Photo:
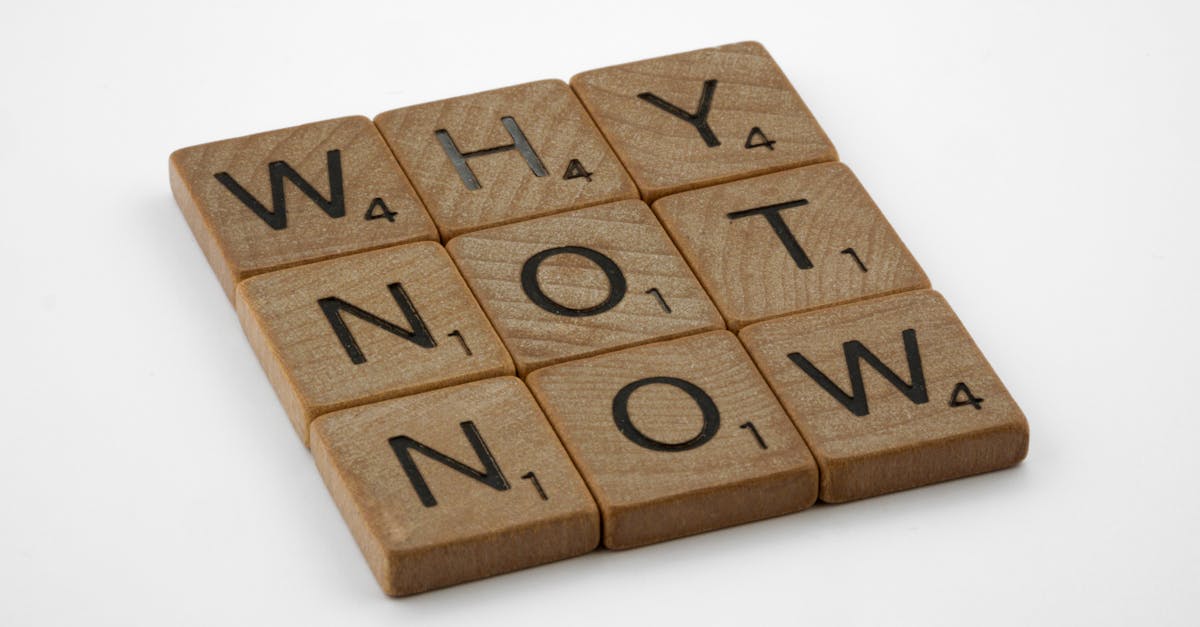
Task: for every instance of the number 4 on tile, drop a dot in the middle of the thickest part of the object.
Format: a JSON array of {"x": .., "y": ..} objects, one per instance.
[
  {"x": 758, "y": 139},
  {"x": 575, "y": 170},
  {"x": 379, "y": 209},
  {"x": 962, "y": 396}
]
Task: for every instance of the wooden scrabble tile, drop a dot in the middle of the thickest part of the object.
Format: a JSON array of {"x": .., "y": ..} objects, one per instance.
[
  {"x": 677, "y": 437},
  {"x": 583, "y": 282},
  {"x": 701, "y": 118},
  {"x": 367, "y": 327},
  {"x": 890, "y": 393},
  {"x": 454, "y": 485},
  {"x": 788, "y": 242},
  {"x": 505, "y": 155},
  {"x": 282, "y": 198}
]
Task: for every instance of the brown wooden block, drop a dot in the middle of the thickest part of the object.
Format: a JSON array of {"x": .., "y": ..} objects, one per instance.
[
  {"x": 677, "y": 437},
  {"x": 704, "y": 117},
  {"x": 505, "y": 155},
  {"x": 583, "y": 282},
  {"x": 788, "y": 242},
  {"x": 365, "y": 328},
  {"x": 890, "y": 394},
  {"x": 278, "y": 199},
  {"x": 454, "y": 485}
]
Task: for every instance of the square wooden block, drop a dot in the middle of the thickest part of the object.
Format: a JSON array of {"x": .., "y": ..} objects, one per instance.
[
  {"x": 704, "y": 117},
  {"x": 365, "y": 328},
  {"x": 677, "y": 437},
  {"x": 788, "y": 242},
  {"x": 281, "y": 198},
  {"x": 505, "y": 155},
  {"x": 583, "y": 282},
  {"x": 890, "y": 394},
  {"x": 454, "y": 485}
]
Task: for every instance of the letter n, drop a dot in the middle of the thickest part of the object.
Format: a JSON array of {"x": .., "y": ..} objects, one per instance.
[
  {"x": 334, "y": 307},
  {"x": 490, "y": 476}
]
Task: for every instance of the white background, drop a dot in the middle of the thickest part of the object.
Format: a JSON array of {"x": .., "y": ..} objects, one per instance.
[{"x": 1040, "y": 159}]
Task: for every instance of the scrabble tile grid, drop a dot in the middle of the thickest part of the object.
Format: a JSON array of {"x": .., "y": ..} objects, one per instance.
[{"x": 673, "y": 268}]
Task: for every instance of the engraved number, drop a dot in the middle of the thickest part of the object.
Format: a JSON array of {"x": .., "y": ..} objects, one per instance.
[
  {"x": 854, "y": 255},
  {"x": 537, "y": 485},
  {"x": 960, "y": 391},
  {"x": 662, "y": 302},
  {"x": 754, "y": 431},
  {"x": 379, "y": 209},
  {"x": 758, "y": 139},
  {"x": 575, "y": 170},
  {"x": 461, "y": 340}
]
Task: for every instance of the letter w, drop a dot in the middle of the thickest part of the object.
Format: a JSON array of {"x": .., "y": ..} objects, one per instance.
[
  {"x": 276, "y": 217},
  {"x": 856, "y": 400},
  {"x": 491, "y": 475}
]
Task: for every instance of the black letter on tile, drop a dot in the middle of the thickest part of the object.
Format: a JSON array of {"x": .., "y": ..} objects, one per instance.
[
  {"x": 699, "y": 119},
  {"x": 276, "y": 218},
  {"x": 533, "y": 290},
  {"x": 854, "y": 350},
  {"x": 459, "y": 158},
  {"x": 491, "y": 475},
  {"x": 334, "y": 306},
  {"x": 771, "y": 213},
  {"x": 708, "y": 408}
]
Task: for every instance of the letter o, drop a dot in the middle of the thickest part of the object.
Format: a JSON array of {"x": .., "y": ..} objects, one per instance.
[
  {"x": 616, "y": 281},
  {"x": 708, "y": 408}
]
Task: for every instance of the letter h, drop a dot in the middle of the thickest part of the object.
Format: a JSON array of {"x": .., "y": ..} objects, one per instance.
[{"x": 459, "y": 158}]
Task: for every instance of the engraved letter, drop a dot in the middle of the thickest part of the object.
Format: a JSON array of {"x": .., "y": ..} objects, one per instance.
[{"x": 459, "y": 158}]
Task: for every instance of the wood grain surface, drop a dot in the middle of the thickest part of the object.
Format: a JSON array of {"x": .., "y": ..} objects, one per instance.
[
  {"x": 291, "y": 318},
  {"x": 610, "y": 312},
  {"x": 557, "y": 130},
  {"x": 274, "y": 223},
  {"x": 879, "y": 435},
  {"x": 641, "y": 417},
  {"x": 752, "y": 121},
  {"x": 843, "y": 248},
  {"x": 514, "y": 501},
  {"x": 675, "y": 468}
]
